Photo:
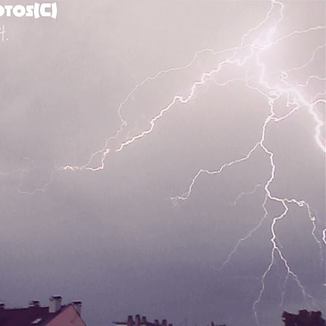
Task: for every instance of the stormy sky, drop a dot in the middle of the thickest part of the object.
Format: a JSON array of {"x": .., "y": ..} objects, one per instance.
[{"x": 115, "y": 238}]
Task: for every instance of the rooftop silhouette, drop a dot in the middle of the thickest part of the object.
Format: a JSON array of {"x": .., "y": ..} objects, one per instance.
[{"x": 303, "y": 318}]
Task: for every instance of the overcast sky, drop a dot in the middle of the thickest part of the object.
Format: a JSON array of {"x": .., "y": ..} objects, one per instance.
[{"x": 114, "y": 238}]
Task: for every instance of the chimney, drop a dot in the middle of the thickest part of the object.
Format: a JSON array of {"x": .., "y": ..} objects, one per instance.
[
  {"x": 164, "y": 322},
  {"x": 130, "y": 321},
  {"x": 34, "y": 303},
  {"x": 78, "y": 306},
  {"x": 144, "y": 320},
  {"x": 55, "y": 304},
  {"x": 137, "y": 320}
]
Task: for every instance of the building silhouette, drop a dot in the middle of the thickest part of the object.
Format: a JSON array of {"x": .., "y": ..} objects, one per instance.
[
  {"x": 303, "y": 318},
  {"x": 141, "y": 321},
  {"x": 55, "y": 314}
]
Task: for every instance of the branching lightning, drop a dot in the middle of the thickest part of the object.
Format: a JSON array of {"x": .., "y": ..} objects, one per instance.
[
  {"x": 254, "y": 43},
  {"x": 271, "y": 94}
]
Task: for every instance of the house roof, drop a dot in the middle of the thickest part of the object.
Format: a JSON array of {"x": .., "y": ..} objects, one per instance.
[{"x": 30, "y": 316}]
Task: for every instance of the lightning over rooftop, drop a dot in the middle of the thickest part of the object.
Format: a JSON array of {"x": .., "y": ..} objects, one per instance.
[{"x": 217, "y": 143}]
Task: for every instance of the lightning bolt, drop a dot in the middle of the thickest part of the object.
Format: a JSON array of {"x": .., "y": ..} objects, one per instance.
[
  {"x": 253, "y": 44},
  {"x": 261, "y": 43},
  {"x": 104, "y": 152},
  {"x": 271, "y": 94},
  {"x": 242, "y": 194},
  {"x": 205, "y": 77}
]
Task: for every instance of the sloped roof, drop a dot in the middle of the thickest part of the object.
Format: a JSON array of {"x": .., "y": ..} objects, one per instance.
[{"x": 30, "y": 316}]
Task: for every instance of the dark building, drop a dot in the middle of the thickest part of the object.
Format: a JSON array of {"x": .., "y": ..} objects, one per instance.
[
  {"x": 141, "y": 321},
  {"x": 55, "y": 314},
  {"x": 303, "y": 318}
]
